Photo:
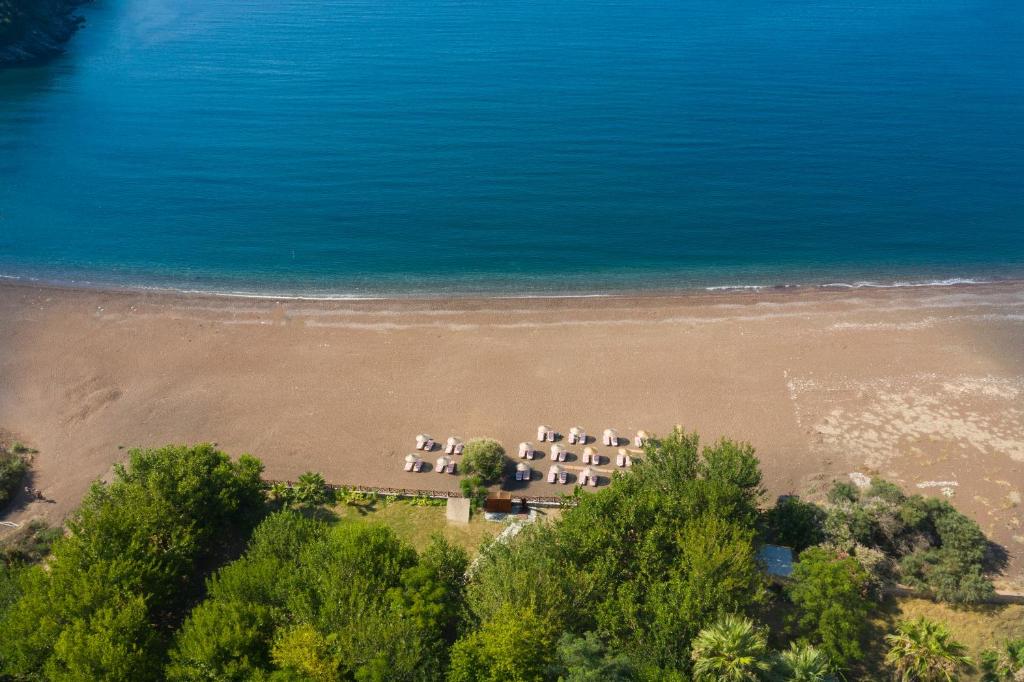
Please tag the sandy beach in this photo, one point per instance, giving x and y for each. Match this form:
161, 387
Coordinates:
924, 386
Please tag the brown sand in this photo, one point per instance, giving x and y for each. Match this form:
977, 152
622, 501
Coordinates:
922, 385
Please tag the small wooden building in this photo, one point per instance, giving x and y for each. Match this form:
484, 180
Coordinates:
500, 502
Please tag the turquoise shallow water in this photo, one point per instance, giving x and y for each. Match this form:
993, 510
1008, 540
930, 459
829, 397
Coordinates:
403, 146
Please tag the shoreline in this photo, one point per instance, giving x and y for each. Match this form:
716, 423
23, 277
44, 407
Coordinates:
920, 385
470, 295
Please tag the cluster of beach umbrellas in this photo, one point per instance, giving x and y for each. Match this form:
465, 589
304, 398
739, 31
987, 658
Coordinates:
556, 473
445, 463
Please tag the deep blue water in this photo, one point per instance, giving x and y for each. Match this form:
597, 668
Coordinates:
515, 145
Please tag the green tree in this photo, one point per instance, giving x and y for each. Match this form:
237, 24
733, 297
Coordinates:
135, 555
923, 650
516, 646
311, 602
803, 663
433, 591
830, 596
484, 457
730, 650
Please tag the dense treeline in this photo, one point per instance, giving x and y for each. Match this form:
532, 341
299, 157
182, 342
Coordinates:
34, 30
186, 568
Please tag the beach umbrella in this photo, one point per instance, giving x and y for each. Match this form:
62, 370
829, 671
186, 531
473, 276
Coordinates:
525, 446
454, 440
611, 433
542, 431
589, 451
423, 438
522, 467
411, 458
442, 462
576, 430
555, 469
589, 473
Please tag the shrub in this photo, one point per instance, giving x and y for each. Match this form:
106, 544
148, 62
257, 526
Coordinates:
843, 492
486, 458
473, 488
12, 470
797, 524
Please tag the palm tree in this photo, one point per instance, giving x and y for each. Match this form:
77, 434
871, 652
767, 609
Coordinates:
1006, 664
731, 650
280, 493
311, 489
923, 650
804, 663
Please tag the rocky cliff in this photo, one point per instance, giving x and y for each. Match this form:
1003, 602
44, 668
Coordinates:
32, 31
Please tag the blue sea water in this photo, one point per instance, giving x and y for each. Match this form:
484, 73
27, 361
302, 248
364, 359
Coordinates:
404, 146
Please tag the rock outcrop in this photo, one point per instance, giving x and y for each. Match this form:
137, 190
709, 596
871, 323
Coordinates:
32, 31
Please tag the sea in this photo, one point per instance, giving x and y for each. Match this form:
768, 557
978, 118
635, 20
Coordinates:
356, 148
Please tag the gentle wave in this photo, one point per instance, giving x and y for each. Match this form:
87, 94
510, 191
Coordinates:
384, 295
863, 284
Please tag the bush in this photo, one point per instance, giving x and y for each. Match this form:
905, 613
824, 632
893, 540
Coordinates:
486, 458
843, 492
937, 549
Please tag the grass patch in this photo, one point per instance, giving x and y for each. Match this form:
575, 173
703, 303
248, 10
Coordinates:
416, 522
979, 627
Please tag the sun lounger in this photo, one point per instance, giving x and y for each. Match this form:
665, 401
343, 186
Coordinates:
552, 476
552, 436
586, 458
450, 468
593, 481
428, 446
418, 466
458, 448
408, 466
620, 460
420, 444
449, 449
563, 478
572, 438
